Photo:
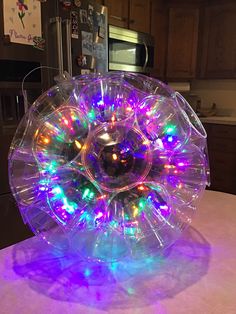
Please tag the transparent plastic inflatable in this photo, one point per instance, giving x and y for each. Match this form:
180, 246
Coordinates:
109, 165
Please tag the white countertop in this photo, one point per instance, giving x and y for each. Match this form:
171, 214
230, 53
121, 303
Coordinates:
197, 275
219, 120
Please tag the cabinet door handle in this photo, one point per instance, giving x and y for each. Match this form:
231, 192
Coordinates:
123, 19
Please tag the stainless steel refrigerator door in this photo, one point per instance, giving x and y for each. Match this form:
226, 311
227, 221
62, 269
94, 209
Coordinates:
90, 49
77, 38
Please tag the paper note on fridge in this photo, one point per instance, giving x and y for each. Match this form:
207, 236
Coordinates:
22, 20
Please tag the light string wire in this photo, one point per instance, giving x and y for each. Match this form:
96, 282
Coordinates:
24, 92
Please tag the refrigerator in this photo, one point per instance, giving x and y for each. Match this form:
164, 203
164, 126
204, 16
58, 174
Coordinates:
70, 36
76, 37
16, 60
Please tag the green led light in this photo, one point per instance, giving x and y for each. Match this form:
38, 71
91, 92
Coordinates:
44, 182
130, 231
114, 266
85, 125
58, 193
86, 193
126, 216
142, 203
170, 129
57, 190
130, 290
85, 217
51, 168
91, 195
70, 207
92, 115
60, 136
87, 272
114, 224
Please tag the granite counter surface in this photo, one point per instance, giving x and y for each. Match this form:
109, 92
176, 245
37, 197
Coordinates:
196, 275
231, 120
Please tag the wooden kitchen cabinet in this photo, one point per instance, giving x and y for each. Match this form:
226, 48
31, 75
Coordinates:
217, 50
194, 39
118, 12
159, 31
222, 156
182, 42
132, 14
139, 17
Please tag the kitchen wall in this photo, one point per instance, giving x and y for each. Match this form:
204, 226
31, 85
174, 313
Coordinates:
221, 92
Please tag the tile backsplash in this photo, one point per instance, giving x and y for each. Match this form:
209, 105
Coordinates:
221, 92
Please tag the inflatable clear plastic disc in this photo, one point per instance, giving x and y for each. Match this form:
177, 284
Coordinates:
109, 165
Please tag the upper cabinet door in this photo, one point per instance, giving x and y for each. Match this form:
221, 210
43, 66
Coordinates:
118, 12
159, 31
218, 49
182, 42
139, 19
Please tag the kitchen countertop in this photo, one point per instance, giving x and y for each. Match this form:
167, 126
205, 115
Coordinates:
219, 120
196, 275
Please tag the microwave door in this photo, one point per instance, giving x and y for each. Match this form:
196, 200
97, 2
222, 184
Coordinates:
143, 67
128, 55
130, 50
149, 57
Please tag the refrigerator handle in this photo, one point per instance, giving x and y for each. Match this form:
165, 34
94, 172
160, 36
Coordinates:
68, 46
57, 21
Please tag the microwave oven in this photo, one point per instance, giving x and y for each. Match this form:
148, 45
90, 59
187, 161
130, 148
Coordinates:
130, 51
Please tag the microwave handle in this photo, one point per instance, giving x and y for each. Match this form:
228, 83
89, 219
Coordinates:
147, 55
